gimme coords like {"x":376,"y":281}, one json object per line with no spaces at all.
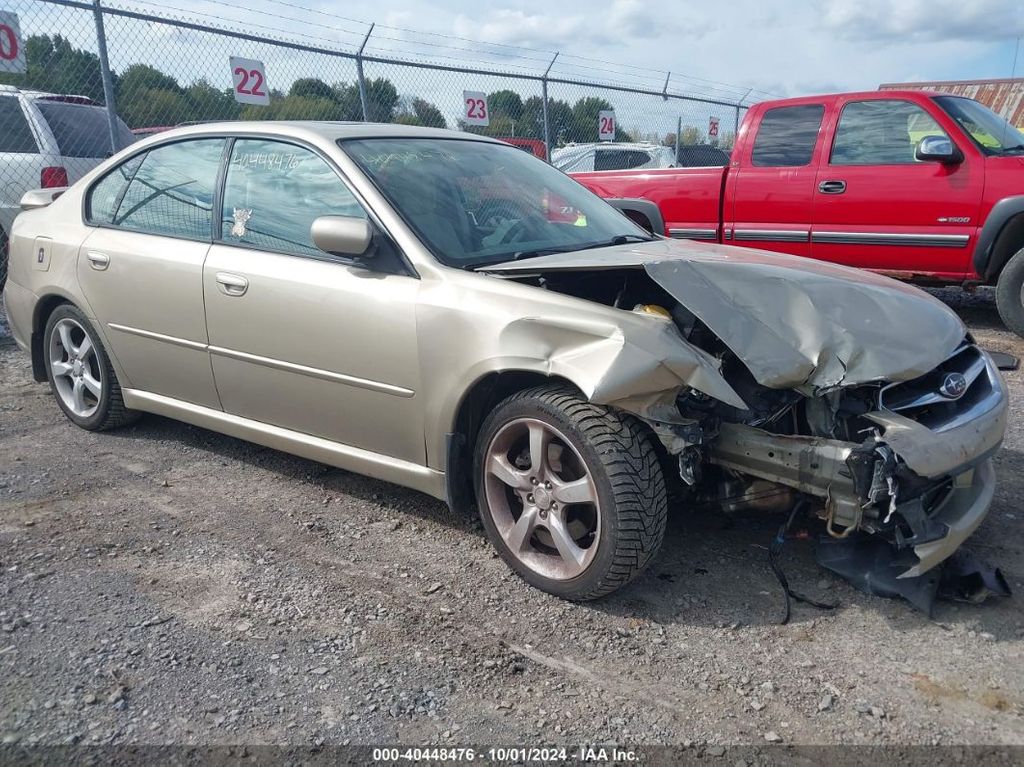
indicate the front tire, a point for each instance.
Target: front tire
{"x":79,"y":371}
{"x":571,"y":494}
{"x":1010,"y":294}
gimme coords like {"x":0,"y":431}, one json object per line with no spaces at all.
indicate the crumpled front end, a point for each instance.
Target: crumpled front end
{"x":910,"y":462}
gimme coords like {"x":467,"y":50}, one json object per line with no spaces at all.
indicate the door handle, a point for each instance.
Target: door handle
{"x":832,"y":187}
{"x":232,"y":284}
{"x":98,"y":261}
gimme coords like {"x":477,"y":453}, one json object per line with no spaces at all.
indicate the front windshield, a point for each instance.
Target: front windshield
{"x":475,"y":203}
{"x":990,"y":131}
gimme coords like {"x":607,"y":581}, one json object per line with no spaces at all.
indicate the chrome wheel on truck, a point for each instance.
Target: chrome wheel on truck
{"x":571,"y":494}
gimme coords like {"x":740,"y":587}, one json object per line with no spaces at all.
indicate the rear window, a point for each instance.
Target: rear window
{"x":787,"y":136}
{"x":82,"y":130}
{"x":15,"y":133}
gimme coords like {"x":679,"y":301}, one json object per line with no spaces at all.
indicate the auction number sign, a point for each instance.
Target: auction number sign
{"x":606,"y":125}
{"x":250,"y":79}
{"x":475,"y":108}
{"x":12,"y":54}
{"x":713,"y":127}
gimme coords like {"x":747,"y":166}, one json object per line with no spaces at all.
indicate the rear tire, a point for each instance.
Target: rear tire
{"x":5,"y":249}
{"x":79,"y":371}
{"x":1010,"y":294}
{"x":580,"y":514}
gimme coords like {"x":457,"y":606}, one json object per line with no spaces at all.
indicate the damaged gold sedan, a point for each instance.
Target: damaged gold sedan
{"x":446,"y":312}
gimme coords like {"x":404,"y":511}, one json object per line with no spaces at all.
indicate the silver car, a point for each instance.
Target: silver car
{"x":47,"y":140}
{"x":446,"y":312}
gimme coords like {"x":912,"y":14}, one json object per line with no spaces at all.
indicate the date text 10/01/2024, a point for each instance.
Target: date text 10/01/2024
{"x":597,"y":754}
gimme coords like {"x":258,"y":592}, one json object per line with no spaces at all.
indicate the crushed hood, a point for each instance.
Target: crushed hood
{"x":794,"y":322}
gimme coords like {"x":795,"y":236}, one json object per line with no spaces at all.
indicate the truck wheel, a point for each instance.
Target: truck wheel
{"x":571,"y":494}
{"x":1010,"y":294}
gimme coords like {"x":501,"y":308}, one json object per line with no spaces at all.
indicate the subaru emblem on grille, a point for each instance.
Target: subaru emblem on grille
{"x":953,"y":386}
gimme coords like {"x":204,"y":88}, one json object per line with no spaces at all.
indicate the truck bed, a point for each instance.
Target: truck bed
{"x":690,"y":199}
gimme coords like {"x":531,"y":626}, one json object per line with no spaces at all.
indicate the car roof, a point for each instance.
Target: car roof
{"x":332,"y":131}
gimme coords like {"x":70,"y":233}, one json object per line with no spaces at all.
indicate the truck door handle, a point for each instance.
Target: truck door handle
{"x":832,"y":187}
{"x":98,"y":261}
{"x":232,"y":284}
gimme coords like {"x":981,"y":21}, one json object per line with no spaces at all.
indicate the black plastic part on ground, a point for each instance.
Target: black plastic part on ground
{"x":872,"y":565}
{"x":1005,"y":361}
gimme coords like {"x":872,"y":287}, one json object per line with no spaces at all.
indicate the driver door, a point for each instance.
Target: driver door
{"x":299,"y":339}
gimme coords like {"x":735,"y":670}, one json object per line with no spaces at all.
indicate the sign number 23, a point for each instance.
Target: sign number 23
{"x":476,"y":108}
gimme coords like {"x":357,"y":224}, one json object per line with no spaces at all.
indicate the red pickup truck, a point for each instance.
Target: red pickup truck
{"x":921,"y":186}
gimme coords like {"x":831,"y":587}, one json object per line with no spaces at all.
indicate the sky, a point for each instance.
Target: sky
{"x":726,"y":51}
{"x":785,"y":47}
{"x":778,"y":47}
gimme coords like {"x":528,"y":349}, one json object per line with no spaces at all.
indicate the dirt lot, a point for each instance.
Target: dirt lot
{"x":164,"y":584}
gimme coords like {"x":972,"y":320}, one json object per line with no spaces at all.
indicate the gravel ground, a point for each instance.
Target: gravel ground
{"x":165,"y":584}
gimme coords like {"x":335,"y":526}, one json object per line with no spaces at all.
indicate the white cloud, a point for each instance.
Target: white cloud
{"x":884,"y":21}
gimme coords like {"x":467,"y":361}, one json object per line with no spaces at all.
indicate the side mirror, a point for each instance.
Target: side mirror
{"x":938,"y":149}
{"x":342,"y":235}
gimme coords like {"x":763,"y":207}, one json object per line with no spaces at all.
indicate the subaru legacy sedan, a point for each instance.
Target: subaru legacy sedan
{"x":446,"y":312}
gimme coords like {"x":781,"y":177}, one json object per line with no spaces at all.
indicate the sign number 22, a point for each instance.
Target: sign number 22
{"x":250,"y":81}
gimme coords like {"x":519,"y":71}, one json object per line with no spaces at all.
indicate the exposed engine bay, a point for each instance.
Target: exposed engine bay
{"x":902,"y":458}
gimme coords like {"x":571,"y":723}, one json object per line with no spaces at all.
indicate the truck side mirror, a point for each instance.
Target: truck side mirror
{"x":938,"y":149}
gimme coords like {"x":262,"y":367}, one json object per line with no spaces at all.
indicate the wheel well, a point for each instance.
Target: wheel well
{"x":640,"y":219}
{"x":1009,"y":241}
{"x":480,"y":400}
{"x":44,"y":308}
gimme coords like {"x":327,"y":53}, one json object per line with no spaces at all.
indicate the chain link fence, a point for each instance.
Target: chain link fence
{"x":79,"y":81}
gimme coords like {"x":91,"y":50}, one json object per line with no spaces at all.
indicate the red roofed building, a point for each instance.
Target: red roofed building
{"x":1004,"y":97}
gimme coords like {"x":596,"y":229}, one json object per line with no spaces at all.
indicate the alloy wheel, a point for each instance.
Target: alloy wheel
{"x":542,"y":498}
{"x":75,"y":368}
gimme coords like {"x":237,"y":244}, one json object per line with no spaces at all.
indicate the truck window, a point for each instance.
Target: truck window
{"x":881,"y":132}
{"x":787,"y":136}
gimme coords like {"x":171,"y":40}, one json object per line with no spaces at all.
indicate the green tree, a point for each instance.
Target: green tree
{"x":691,"y":136}
{"x":53,"y":65}
{"x":312,"y":88}
{"x":147,"y":97}
{"x":209,"y":103}
{"x":428,"y":114}
{"x":585,"y":113}
{"x":507,"y":103}
{"x":294,"y":108}
{"x":381,"y":100}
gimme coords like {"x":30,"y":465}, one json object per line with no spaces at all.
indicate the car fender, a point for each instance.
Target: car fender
{"x":644,"y":209}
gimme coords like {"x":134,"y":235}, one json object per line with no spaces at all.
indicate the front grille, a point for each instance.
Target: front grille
{"x":925,"y":401}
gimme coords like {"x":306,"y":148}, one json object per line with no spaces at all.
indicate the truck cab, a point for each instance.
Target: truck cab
{"x":925,"y":187}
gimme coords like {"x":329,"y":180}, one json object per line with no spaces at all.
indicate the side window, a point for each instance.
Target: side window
{"x":881,"y":132}
{"x":787,"y":135}
{"x":106,"y":194}
{"x":15,"y":134}
{"x":172,"y":191}
{"x":620,"y":159}
{"x":273,"y":193}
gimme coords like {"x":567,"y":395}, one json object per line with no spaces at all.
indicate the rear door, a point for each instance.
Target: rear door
{"x":770,"y":191}
{"x":877,"y":207}
{"x":141,"y":268}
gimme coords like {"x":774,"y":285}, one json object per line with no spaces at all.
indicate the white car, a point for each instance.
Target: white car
{"x":612,"y":155}
{"x":47,"y":140}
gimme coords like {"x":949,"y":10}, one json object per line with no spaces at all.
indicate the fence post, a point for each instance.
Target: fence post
{"x":544,"y":106}
{"x":664,"y":91}
{"x":362,"y":78}
{"x":679,"y":135}
{"x":108,"y":80}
